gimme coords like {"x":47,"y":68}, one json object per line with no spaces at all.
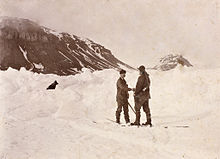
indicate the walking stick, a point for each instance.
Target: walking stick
{"x":131,"y":108}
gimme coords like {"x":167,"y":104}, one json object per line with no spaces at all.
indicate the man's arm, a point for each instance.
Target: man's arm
{"x":123,"y":86}
{"x":139,"y":85}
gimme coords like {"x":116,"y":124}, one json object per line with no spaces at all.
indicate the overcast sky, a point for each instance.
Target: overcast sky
{"x":136,"y":31}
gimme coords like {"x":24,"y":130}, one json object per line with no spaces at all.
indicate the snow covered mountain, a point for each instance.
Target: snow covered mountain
{"x":171,"y":61}
{"x":24,"y":43}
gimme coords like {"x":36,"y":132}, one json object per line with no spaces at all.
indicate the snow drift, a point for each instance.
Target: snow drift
{"x":72,"y":121}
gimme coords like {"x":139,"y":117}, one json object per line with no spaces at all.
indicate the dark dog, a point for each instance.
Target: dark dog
{"x":53,"y":85}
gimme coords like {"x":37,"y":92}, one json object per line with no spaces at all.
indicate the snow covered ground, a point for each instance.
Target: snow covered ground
{"x":71,"y":122}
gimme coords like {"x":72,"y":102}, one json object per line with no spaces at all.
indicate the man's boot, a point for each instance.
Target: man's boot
{"x":148,"y":120}
{"x":148,"y":123}
{"x":137,"y":121}
{"x":127,"y":119}
{"x":117,"y":117}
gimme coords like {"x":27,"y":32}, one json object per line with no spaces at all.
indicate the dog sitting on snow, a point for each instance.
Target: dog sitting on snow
{"x":53,"y":85}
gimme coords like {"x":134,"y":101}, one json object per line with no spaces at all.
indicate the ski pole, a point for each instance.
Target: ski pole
{"x":131,"y":108}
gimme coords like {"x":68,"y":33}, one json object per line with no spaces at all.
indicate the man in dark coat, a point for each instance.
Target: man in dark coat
{"x":142,"y":96}
{"x":122,"y":97}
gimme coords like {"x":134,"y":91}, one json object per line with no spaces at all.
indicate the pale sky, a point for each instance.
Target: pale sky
{"x":136,"y":31}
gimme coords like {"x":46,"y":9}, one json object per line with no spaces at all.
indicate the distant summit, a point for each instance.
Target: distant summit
{"x":171,"y":61}
{"x":24,"y":43}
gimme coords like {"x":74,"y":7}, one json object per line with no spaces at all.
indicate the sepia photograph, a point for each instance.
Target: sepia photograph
{"x":109,"y":79}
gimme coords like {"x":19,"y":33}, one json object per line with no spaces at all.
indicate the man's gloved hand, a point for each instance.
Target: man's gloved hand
{"x":129,"y":89}
{"x":134,"y":94}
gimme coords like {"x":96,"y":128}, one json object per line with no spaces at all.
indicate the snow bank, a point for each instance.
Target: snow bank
{"x":72,"y":120}
{"x":186,"y":90}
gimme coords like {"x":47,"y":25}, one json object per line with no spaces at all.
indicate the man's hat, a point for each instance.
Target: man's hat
{"x":122,"y":71}
{"x":141,"y":68}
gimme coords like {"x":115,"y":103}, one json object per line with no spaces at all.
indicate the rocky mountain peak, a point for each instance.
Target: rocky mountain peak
{"x":24,"y":43}
{"x":171,"y":61}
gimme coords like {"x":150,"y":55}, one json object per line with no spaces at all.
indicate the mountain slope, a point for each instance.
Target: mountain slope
{"x":171,"y":61}
{"x":24,"y":43}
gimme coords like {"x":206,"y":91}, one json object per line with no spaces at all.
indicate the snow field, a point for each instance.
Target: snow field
{"x":71,"y":122}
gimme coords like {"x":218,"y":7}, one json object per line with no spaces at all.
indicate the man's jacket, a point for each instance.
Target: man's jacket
{"x":122,"y":90}
{"x":142,"y":91}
